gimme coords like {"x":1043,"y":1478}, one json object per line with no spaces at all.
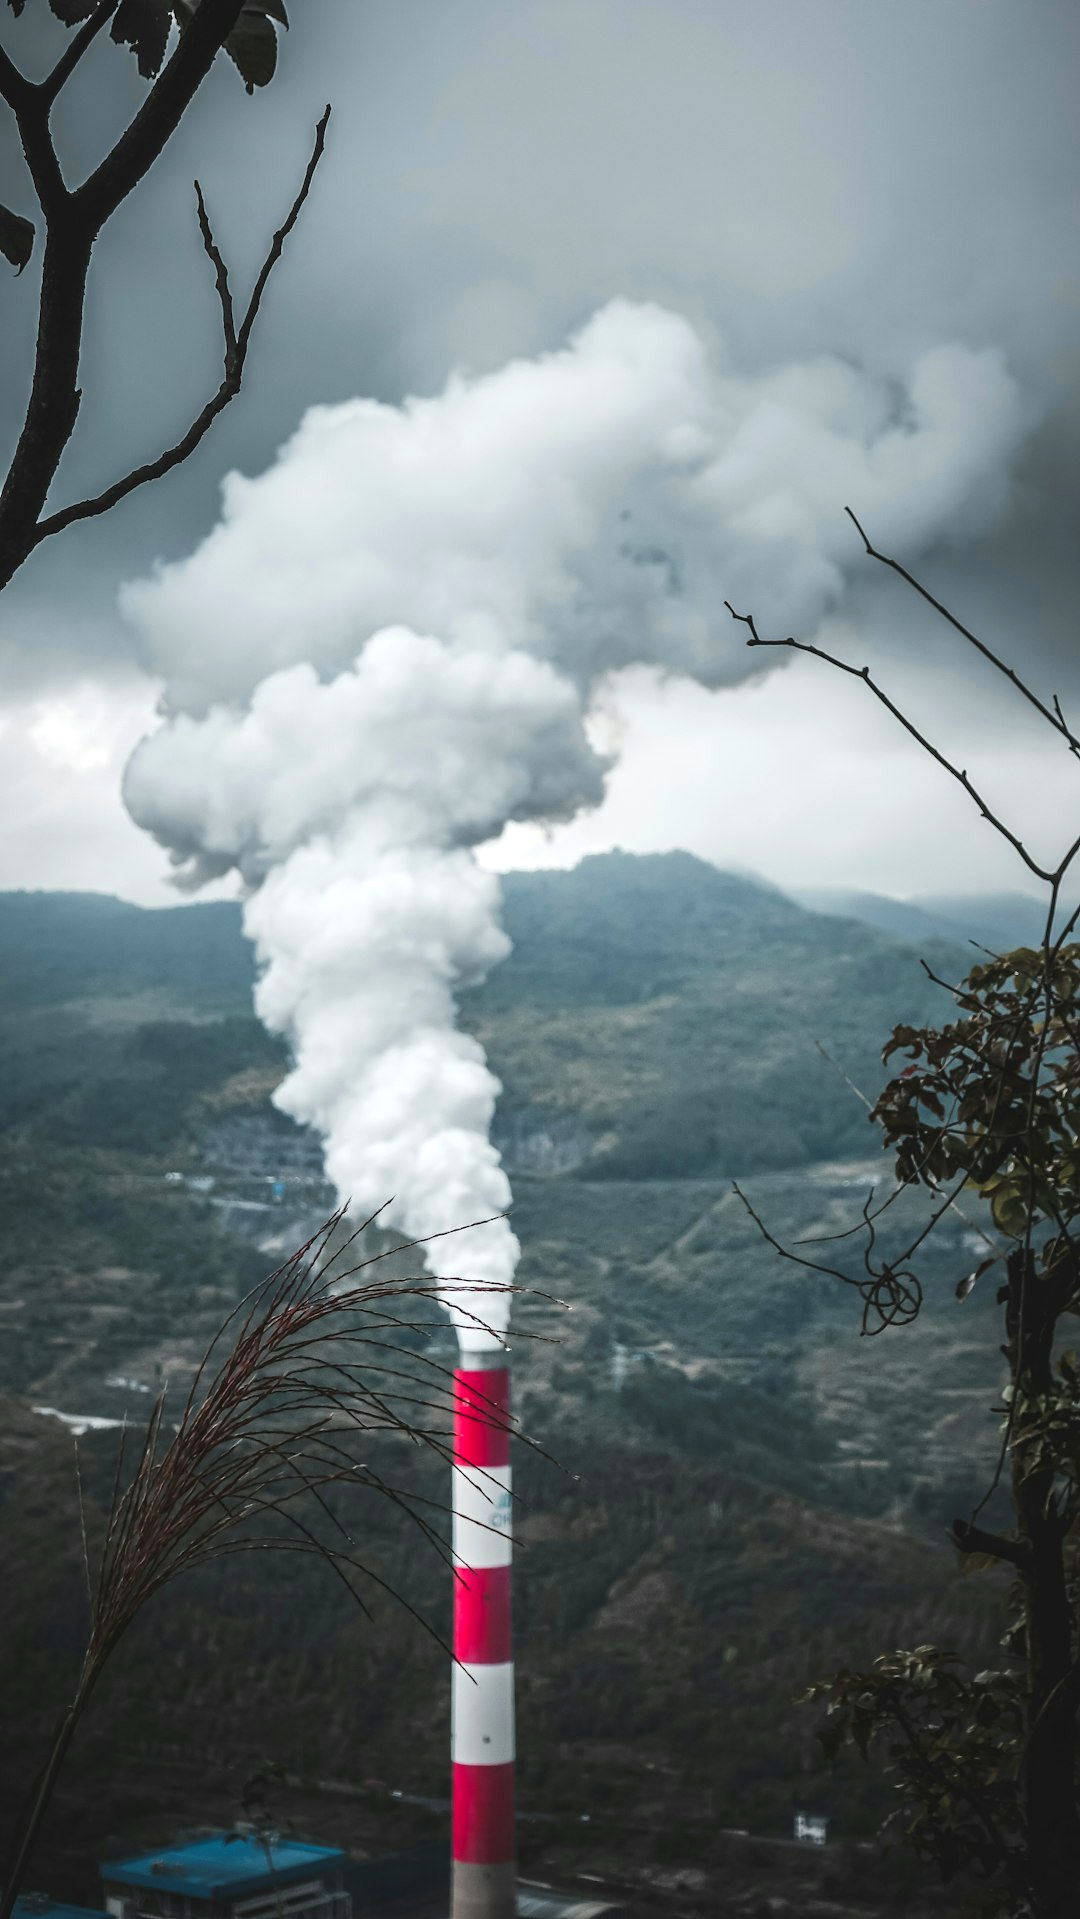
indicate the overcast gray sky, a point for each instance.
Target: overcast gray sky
{"x":799,"y":178}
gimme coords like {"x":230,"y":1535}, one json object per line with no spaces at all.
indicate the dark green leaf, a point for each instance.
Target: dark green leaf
{"x":16,"y":238}
{"x":273,"y":8}
{"x":143,"y":25}
{"x":252,"y":45}
{"x":71,"y":11}
{"x":1008,"y":1210}
{"x":16,"y":6}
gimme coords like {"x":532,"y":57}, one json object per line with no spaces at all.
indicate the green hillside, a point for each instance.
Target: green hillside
{"x":666,"y":1612}
{"x":57,"y":947}
{"x":751,"y":1491}
{"x":656,"y":1018}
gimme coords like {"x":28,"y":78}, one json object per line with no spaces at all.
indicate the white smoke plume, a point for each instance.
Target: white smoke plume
{"x":388,"y":647}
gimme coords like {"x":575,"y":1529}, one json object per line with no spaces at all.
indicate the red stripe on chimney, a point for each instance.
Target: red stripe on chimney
{"x":482,"y":1417}
{"x":484,"y":1814}
{"x":482,"y":1616}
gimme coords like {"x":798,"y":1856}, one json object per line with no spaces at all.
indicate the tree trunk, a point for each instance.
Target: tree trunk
{"x":1049,"y":1788}
{"x":54,"y":400}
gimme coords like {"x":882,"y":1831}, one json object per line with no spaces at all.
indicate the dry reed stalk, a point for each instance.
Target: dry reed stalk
{"x":270,"y":1433}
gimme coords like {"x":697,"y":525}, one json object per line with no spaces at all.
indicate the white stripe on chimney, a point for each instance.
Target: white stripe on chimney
{"x":482,"y":1715}
{"x":481,"y":1496}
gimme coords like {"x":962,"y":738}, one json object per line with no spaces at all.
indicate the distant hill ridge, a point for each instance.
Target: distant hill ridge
{"x":656,"y":1017}
{"x":60,"y":946}
{"x":669,"y":1012}
{"x":997,"y":920}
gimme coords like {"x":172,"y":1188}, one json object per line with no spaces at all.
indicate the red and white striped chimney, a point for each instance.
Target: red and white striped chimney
{"x":484,"y":1879}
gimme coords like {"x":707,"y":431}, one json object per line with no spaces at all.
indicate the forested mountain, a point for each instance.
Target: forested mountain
{"x":57,"y":947}
{"x":746,"y":1490}
{"x":670,"y":1017}
{"x":655,"y":1018}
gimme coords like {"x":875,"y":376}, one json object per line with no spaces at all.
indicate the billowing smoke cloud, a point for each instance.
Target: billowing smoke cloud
{"x":388,"y":648}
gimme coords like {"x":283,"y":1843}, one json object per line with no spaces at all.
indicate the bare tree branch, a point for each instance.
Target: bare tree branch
{"x":1055,"y":718}
{"x":236,"y":347}
{"x":160,"y":114}
{"x":221,"y":278}
{"x":48,"y":88}
{"x":30,"y":105}
{"x":863,"y":673}
{"x":890,"y":1295}
{"x":972,"y":1539}
{"x":15,"y":88}
{"x":849,"y":1083}
{"x":73,"y":221}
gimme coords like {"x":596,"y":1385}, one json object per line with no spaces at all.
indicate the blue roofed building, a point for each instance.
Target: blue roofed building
{"x":230,"y":1877}
{"x":38,"y":1905}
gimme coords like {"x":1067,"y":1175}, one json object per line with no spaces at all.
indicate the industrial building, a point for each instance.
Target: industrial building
{"x":230,"y":1876}
{"x":226,"y":1876}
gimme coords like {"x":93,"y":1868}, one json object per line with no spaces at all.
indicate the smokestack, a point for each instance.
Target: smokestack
{"x":389,"y":650}
{"x":482,"y":1737}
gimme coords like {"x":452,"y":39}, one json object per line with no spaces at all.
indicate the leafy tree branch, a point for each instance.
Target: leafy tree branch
{"x":73,"y":217}
{"x":989,"y":1768}
{"x":237,"y":341}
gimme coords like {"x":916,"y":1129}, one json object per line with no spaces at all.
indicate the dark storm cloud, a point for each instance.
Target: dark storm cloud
{"x":834,"y":178}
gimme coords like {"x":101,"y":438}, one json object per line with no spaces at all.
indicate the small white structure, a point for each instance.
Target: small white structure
{"x":810,"y":1828}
